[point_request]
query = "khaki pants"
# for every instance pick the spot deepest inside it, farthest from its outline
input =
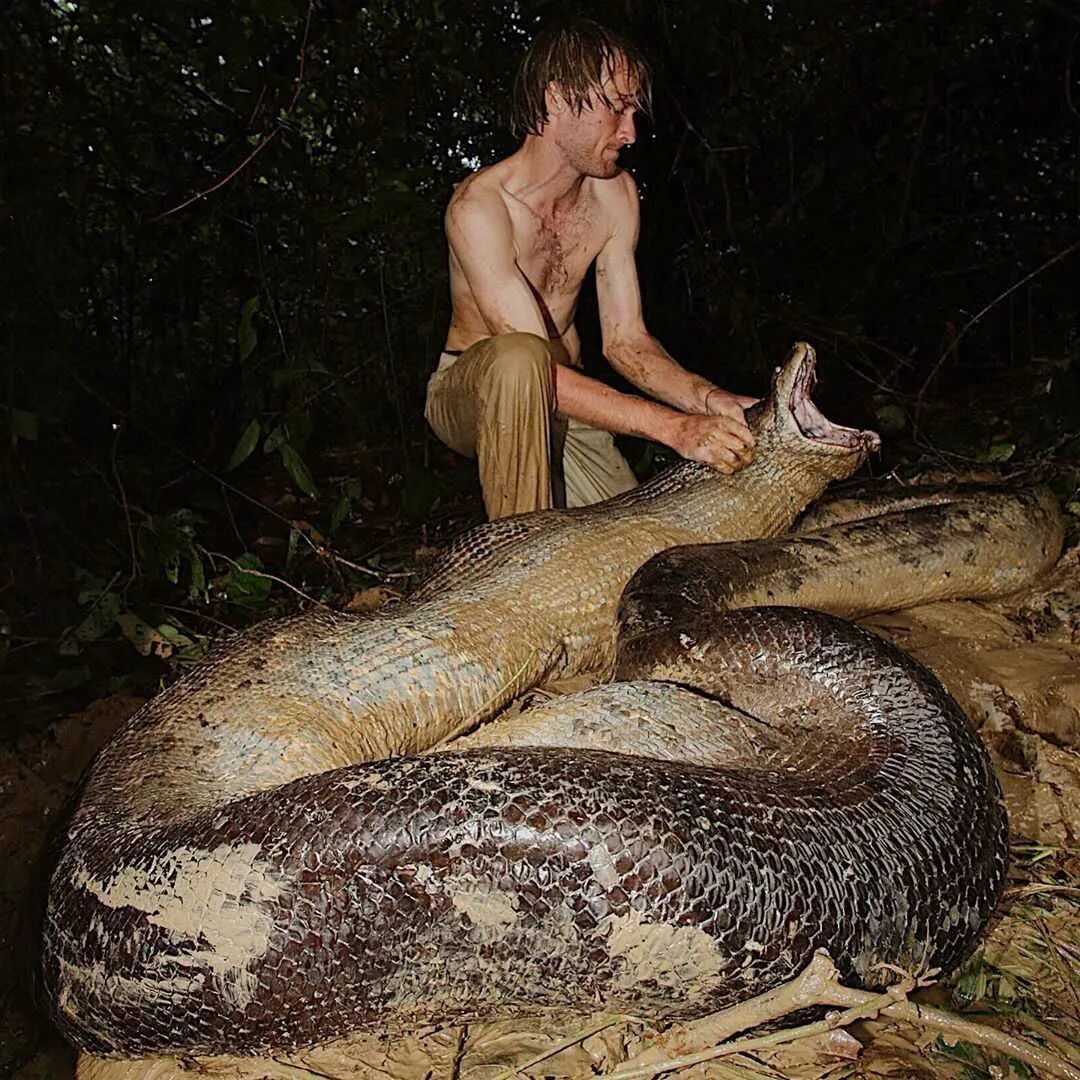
(495, 402)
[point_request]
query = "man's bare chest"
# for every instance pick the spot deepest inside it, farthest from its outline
(554, 253)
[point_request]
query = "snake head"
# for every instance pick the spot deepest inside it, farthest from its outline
(792, 415)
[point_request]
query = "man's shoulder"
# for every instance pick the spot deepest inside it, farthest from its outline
(617, 198)
(617, 192)
(479, 194)
(484, 184)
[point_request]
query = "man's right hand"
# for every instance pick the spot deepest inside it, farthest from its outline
(723, 441)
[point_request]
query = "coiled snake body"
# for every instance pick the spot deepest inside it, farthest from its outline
(254, 867)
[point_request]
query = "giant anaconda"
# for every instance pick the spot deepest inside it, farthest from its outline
(253, 866)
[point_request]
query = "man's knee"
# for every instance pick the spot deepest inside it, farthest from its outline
(521, 360)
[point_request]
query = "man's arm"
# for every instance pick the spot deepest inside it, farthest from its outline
(481, 239)
(712, 427)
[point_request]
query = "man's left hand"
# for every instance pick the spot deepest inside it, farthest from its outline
(724, 403)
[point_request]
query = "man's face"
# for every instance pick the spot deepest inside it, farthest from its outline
(591, 140)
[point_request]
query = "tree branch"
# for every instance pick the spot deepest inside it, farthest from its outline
(263, 143)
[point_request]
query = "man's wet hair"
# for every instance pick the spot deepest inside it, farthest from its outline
(575, 55)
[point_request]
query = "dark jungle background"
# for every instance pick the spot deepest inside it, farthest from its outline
(211, 407)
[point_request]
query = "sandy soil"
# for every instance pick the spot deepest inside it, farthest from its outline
(1014, 666)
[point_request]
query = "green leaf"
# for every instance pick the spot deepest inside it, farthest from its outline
(99, 619)
(146, 638)
(290, 551)
(294, 465)
(170, 566)
(245, 445)
(890, 418)
(276, 439)
(186, 644)
(296, 372)
(92, 587)
(246, 335)
(245, 588)
(198, 577)
(300, 425)
(68, 646)
(1000, 452)
(340, 514)
(24, 425)
(166, 542)
(186, 521)
(974, 985)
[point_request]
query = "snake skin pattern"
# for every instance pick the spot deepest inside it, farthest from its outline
(238, 878)
(854, 555)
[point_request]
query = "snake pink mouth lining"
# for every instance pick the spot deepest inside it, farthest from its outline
(813, 424)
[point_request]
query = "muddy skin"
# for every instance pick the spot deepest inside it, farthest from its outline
(974, 541)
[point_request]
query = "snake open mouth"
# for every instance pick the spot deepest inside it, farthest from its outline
(809, 419)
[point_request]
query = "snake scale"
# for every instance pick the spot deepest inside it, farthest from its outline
(265, 858)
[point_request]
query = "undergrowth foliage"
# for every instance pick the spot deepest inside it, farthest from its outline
(226, 277)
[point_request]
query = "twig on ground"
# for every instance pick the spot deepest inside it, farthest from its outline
(956, 1028)
(332, 556)
(460, 1046)
(269, 577)
(565, 1044)
(801, 992)
(818, 985)
(304, 1071)
(1062, 1046)
(192, 613)
(871, 1007)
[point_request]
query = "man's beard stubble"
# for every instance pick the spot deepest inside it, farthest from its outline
(590, 163)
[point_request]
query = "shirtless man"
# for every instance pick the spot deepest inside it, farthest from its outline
(522, 234)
